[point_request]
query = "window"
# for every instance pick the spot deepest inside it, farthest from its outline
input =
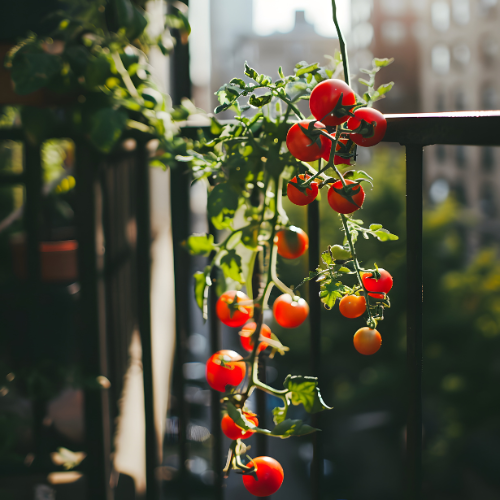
(461, 11)
(362, 35)
(440, 15)
(487, 159)
(440, 59)
(460, 157)
(489, 97)
(487, 201)
(461, 54)
(393, 31)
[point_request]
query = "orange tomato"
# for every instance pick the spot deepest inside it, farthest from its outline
(352, 306)
(231, 373)
(228, 311)
(246, 339)
(290, 313)
(292, 242)
(341, 204)
(367, 341)
(297, 197)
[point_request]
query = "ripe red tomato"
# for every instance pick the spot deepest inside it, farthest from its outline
(228, 311)
(372, 116)
(292, 242)
(367, 341)
(269, 477)
(232, 373)
(290, 313)
(352, 306)
(232, 431)
(297, 197)
(342, 205)
(384, 284)
(246, 340)
(324, 98)
(327, 147)
(300, 145)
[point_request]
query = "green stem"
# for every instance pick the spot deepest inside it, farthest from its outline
(342, 43)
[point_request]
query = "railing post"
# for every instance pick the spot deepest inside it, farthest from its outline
(414, 186)
(315, 346)
(144, 316)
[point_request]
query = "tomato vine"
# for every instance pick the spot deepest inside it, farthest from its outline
(247, 166)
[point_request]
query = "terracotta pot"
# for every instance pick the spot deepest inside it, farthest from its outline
(58, 259)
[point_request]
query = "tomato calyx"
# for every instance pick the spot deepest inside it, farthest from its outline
(366, 129)
(234, 306)
(341, 110)
(312, 132)
(348, 192)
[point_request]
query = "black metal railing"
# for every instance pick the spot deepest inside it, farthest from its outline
(412, 131)
(96, 277)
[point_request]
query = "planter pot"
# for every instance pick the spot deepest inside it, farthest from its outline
(58, 259)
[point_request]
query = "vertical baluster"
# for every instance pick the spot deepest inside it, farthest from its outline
(92, 324)
(414, 158)
(144, 315)
(315, 346)
(179, 197)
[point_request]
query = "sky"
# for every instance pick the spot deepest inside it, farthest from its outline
(270, 16)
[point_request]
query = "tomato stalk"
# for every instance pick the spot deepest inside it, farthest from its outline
(343, 48)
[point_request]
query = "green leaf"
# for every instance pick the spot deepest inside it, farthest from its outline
(380, 63)
(374, 227)
(231, 266)
(251, 72)
(384, 235)
(280, 72)
(383, 89)
(364, 82)
(97, 71)
(239, 82)
(129, 17)
(331, 290)
(106, 128)
(290, 427)
(326, 257)
(305, 391)
(249, 236)
(222, 204)
(200, 244)
(33, 71)
(201, 282)
(260, 101)
(307, 69)
(279, 414)
(239, 419)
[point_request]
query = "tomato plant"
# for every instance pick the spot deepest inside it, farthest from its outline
(290, 312)
(225, 368)
(269, 479)
(367, 341)
(230, 312)
(232, 431)
(246, 336)
(292, 242)
(247, 165)
(298, 197)
(352, 306)
(346, 202)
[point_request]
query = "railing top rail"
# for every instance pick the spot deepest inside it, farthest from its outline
(473, 128)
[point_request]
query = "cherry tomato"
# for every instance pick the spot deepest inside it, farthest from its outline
(269, 477)
(370, 115)
(297, 197)
(232, 431)
(246, 340)
(327, 147)
(232, 373)
(324, 98)
(290, 313)
(367, 341)
(384, 284)
(292, 242)
(352, 306)
(342, 205)
(228, 311)
(300, 145)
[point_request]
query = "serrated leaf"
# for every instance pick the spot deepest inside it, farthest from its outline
(200, 244)
(239, 82)
(326, 257)
(231, 266)
(290, 427)
(260, 101)
(239, 419)
(250, 72)
(279, 414)
(330, 292)
(364, 82)
(374, 227)
(305, 391)
(384, 235)
(222, 204)
(201, 282)
(280, 72)
(307, 69)
(249, 236)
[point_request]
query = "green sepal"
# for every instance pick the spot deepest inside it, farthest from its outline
(289, 428)
(304, 390)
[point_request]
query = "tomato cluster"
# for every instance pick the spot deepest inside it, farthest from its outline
(333, 104)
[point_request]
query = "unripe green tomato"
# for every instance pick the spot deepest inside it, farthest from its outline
(340, 253)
